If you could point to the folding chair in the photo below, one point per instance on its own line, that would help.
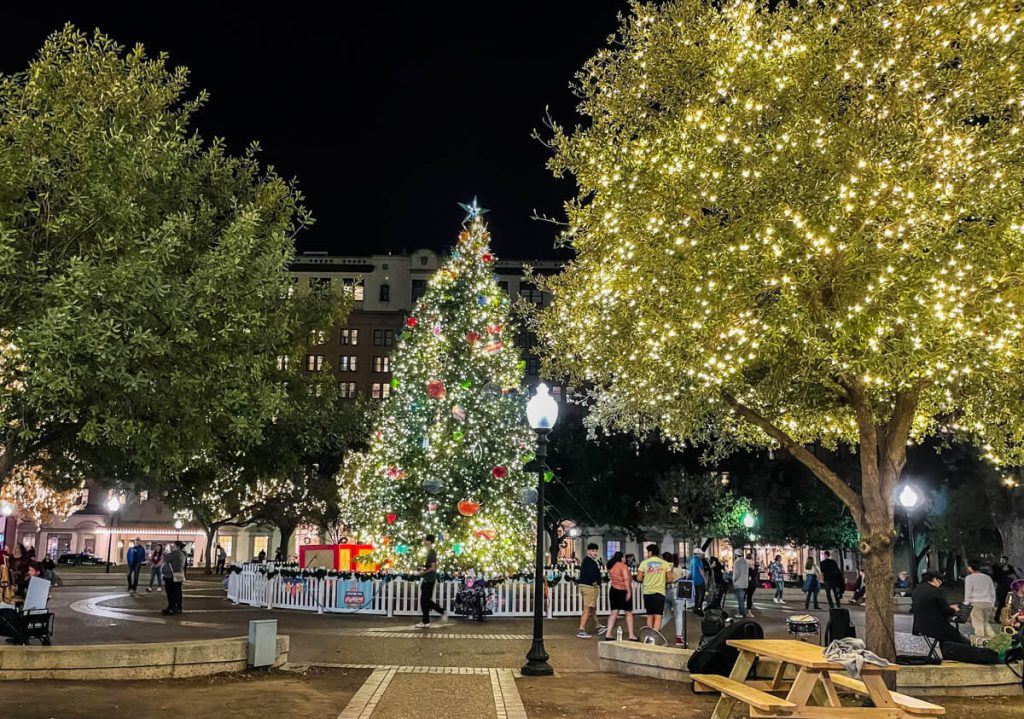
(33, 621)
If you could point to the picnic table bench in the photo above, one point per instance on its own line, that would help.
(812, 694)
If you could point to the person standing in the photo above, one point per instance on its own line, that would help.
(156, 565)
(1003, 574)
(714, 574)
(174, 577)
(777, 575)
(740, 581)
(812, 582)
(428, 578)
(590, 588)
(673, 603)
(833, 579)
(652, 572)
(620, 594)
(222, 558)
(980, 592)
(136, 557)
(699, 577)
(753, 576)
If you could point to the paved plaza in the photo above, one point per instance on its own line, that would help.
(359, 667)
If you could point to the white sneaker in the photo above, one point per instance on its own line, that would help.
(444, 616)
(423, 625)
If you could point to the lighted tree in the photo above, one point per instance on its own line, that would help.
(800, 223)
(32, 499)
(451, 441)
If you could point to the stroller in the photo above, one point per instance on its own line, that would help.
(472, 600)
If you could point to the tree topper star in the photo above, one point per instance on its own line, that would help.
(473, 210)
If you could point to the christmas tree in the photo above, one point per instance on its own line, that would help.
(448, 454)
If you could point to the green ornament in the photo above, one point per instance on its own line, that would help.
(457, 548)
(402, 549)
(466, 383)
(458, 436)
(521, 366)
(548, 475)
(394, 383)
(528, 457)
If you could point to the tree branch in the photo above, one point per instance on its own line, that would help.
(827, 477)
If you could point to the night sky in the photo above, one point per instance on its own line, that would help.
(388, 113)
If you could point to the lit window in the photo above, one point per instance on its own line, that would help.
(314, 363)
(347, 390)
(317, 337)
(380, 390)
(385, 293)
(357, 289)
(349, 337)
(556, 392)
(347, 363)
(381, 363)
(282, 362)
(611, 547)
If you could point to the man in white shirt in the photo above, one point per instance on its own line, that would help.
(980, 592)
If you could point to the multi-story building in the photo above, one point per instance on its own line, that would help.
(386, 287)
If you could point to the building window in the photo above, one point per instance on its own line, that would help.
(385, 293)
(317, 337)
(532, 294)
(314, 363)
(556, 392)
(380, 390)
(381, 363)
(383, 338)
(503, 285)
(356, 286)
(319, 285)
(347, 390)
(419, 288)
(533, 366)
(611, 547)
(282, 362)
(347, 363)
(350, 337)
(527, 339)
(260, 544)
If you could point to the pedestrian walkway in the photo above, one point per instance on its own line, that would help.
(402, 692)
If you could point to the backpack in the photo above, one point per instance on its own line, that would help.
(713, 622)
(839, 626)
(717, 657)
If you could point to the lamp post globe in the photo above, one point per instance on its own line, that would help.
(909, 497)
(542, 413)
(6, 509)
(748, 520)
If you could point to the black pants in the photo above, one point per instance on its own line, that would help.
(834, 594)
(133, 576)
(750, 594)
(699, 592)
(173, 591)
(427, 601)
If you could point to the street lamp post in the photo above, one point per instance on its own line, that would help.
(177, 529)
(542, 412)
(909, 498)
(113, 505)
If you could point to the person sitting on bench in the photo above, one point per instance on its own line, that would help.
(932, 613)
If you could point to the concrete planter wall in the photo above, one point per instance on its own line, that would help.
(160, 660)
(946, 679)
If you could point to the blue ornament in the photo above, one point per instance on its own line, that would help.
(456, 254)
(529, 496)
(481, 300)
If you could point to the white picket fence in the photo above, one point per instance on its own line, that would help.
(400, 597)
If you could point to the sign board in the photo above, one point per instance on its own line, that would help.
(354, 594)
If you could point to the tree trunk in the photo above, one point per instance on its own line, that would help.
(211, 532)
(1011, 530)
(6, 465)
(287, 529)
(878, 607)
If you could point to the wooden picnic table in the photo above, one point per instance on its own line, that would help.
(812, 694)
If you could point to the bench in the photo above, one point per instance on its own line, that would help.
(907, 703)
(762, 701)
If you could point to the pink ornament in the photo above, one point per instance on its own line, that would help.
(435, 389)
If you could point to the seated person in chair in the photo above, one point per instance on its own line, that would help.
(932, 614)
(13, 622)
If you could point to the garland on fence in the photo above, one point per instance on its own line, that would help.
(554, 575)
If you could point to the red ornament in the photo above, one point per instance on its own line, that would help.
(472, 337)
(391, 517)
(396, 473)
(488, 258)
(467, 507)
(410, 322)
(489, 534)
(499, 472)
(435, 389)
(492, 347)
(494, 329)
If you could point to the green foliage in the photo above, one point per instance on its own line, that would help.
(142, 271)
(698, 507)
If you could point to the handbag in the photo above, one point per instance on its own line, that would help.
(178, 577)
